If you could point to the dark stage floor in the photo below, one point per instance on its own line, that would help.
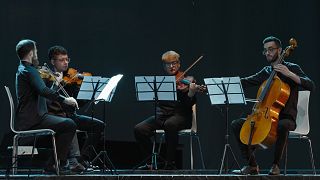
(162, 175)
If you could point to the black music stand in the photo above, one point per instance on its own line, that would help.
(155, 89)
(225, 91)
(96, 89)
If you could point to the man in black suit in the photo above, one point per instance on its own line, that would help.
(59, 58)
(32, 109)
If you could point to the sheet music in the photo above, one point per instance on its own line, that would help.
(233, 87)
(166, 88)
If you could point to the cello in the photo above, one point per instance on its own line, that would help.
(260, 127)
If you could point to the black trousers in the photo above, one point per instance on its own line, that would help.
(284, 126)
(95, 130)
(170, 124)
(65, 129)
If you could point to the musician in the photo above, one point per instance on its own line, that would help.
(32, 111)
(289, 73)
(171, 116)
(60, 60)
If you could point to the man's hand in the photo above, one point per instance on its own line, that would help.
(282, 69)
(59, 78)
(192, 89)
(71, 101)
(286, 72)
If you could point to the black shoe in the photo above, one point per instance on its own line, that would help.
(247, 170)
(145, 167)
(275, 170)
(64, 170)
(77, 168)
(89, 167)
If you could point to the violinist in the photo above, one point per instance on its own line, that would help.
(171, 116)
(31, 112)
(60, 60)
(290, 74)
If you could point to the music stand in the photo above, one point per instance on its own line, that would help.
(225, 91)
(97, 89)
(155, 89)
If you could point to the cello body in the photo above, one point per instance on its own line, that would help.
(265, 115)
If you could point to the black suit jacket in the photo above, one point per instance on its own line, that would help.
(31, 93)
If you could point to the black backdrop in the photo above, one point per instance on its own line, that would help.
(129, 37)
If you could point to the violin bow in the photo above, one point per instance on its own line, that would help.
(194, 63)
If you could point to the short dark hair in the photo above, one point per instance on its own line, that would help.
(56, 50)
(274, 39)
(24, 47)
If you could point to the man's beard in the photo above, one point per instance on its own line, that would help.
(35, 61)
(274, 59)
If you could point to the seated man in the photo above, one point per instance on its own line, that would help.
(59, 59)
(171, 116)
(290, 74)
(31, 112)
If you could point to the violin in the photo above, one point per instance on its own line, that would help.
(183, 81)
(72, 76)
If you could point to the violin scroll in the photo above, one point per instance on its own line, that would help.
(292, 45)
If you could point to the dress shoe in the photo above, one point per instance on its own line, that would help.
(77, 168)
(247, 170)
(275, 170)
(63, 170)
(145, 167)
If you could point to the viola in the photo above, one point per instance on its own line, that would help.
(261, 125)
(72, 76)
(46, 74)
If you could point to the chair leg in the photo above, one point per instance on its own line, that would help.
(286, 158)
(15, 154)
(201, 155)
(32, 154)
(55, 154)
(311, 157)
(160, 143)
(191, 153)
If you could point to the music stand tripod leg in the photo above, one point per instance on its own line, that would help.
(105, 157)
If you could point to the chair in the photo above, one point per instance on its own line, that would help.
(303, 127)
(192, 133)
(28, 133)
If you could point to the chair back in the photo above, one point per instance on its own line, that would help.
(302, 119)
(194, 119)
(12, 109)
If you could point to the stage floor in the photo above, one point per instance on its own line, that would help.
(161, 175)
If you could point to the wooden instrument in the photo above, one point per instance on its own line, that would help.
(261, 126)
(184, 81)
(72, 76)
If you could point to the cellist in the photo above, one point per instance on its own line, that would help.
(288, 73)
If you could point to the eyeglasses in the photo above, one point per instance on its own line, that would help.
(173, 63)
(63, 60)
(269, 50)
